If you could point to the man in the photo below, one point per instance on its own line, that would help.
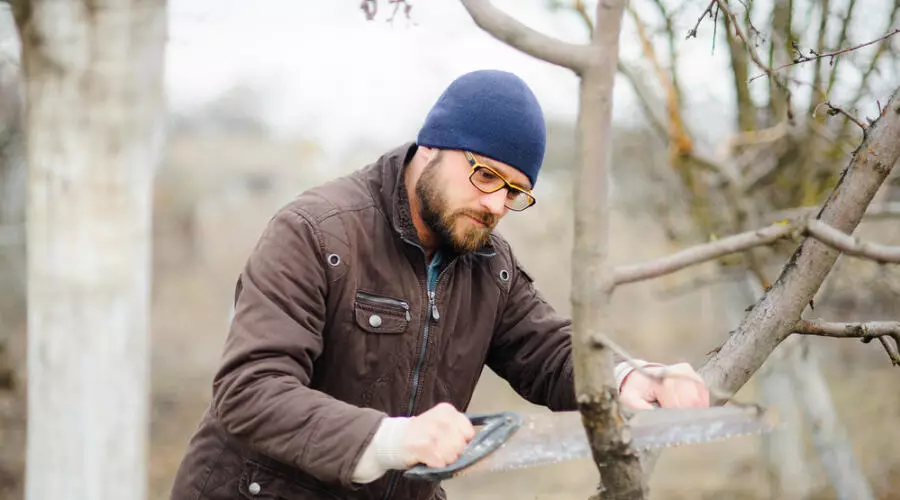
(366, 312)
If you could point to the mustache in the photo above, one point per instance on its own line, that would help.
(486, 218)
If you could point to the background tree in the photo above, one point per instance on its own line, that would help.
(775, 315)
(94, 126)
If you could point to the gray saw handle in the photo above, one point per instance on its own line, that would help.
(497, 428)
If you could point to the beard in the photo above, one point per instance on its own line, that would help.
(452, 227)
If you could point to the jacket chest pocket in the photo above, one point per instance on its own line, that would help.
(376, 314)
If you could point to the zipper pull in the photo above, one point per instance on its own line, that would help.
(434, 310)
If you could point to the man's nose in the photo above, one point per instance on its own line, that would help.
(495, 202)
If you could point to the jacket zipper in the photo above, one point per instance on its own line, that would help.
(433, 314)
(385, 300)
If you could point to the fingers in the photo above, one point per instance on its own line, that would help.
(634, 402)
(437, 437)
(681, 387)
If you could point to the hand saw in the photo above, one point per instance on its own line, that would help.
(509, 440)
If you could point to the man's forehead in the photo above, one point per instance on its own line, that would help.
(513, 174)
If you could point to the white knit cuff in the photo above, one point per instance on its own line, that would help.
(383, 453)
(388, 443)
(625, 368)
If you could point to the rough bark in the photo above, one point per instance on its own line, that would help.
(94, 127)
(771, 319)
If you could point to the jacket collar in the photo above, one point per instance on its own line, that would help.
(395, 200)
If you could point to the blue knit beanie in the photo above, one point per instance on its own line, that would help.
(492, 113)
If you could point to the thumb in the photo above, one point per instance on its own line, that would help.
(634, 402)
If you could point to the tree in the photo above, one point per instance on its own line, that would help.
(94, 123)
(777, 314)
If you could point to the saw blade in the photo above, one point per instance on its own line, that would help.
(547, 438)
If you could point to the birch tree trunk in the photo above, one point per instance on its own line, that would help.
(94, 130)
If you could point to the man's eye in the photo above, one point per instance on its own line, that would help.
(487, 175)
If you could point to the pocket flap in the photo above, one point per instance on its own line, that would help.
(374, 317)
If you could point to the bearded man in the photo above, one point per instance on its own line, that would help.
(370, 305)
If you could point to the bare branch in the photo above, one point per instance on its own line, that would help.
(693, 31)
(506, 29)
(874, 212)
(850, 245)
(835, 110)
(865, 331)
(702, 253)
(753, 55)
(800, 59)
(771, 319)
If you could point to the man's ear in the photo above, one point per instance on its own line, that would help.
(427, 153)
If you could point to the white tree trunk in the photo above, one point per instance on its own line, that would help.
(94, 130)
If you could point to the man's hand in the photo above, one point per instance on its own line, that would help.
(681, 387)
(437, 437)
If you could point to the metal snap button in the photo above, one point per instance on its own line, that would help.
(375, 321)
(254, 489)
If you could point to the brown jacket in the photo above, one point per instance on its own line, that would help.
(334, 329)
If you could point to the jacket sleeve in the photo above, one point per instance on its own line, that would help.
(261, 393)
(532, 347)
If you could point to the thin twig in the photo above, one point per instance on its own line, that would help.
(693, 31)
(800, 59)
(837, 110)
(864, 331)
(753, 55)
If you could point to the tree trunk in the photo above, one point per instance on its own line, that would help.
(94, 128)
(621, 476)
(12, 185)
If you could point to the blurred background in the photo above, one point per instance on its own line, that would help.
(271, 97)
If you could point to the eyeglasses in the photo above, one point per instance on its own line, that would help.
(488, 180)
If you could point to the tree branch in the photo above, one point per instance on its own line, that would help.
(815, 56)
(850, 245)
(865, 331)
(515, 34)
(772, 319)
(702, 253)
(744, 241)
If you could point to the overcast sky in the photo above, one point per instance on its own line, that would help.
(331, 75)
